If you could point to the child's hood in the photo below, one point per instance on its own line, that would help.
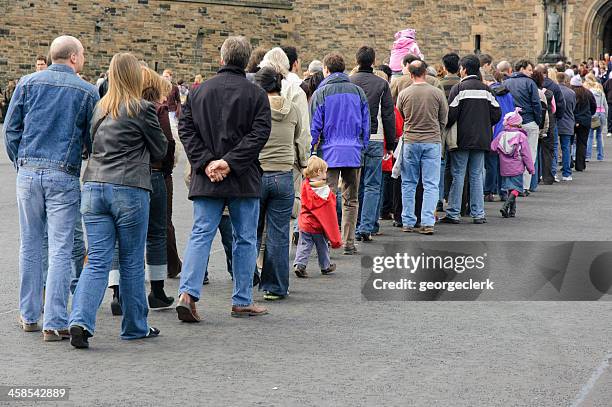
(509, 139)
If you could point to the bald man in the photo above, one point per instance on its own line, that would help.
(45, 130)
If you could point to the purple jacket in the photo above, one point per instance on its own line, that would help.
(514, 154)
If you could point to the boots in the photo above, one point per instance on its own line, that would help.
(505, 210)
(512, 211)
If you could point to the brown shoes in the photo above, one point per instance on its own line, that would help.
(55, 335)
(28, 327)
(248, 311)
(187, 311)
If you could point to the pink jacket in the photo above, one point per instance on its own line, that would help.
(514, 154)
(404, 44)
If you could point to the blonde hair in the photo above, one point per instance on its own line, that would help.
(124, 86)
(197, 79)
(276, 59)
(315, 166)
(154, 87)
(591, 83)
(552, 74)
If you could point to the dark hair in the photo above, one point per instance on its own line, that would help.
(180, 82)
(292, 54)
(522, 64)
(334, 62)
(538, 78)
(418, 69)
(582, 95)
(42, 58)
(365, 57)
(269, 80)
(471, 64)
(312, 83)
(409, 58)
(485, 59)
(451, 62)
(387, 70)
(256, 57)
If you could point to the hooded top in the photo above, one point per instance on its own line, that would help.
(279, 152)
(318, 214)
(514, 154)
(404, 44)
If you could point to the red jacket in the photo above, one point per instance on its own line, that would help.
(319, 215)
(387, 164)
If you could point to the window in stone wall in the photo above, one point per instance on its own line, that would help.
(278, 4)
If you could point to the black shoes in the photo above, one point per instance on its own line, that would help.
(300, 271)
(397, 224)
(448, 219)
(79, 337)
(295, 238)
(329, 270)
(364, 237)
(116, 307)
(480, 221)
(156, 303)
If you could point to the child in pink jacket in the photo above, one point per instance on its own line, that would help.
(404, 44)
(514, 158)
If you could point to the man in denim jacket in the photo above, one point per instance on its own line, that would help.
(46, 128)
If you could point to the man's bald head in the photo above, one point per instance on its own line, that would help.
(504, 67)
(67, 50)
(541, 68)
(417, 69)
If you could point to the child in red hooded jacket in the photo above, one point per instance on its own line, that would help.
(318, 220)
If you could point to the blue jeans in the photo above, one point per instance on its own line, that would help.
(535, 179)
(555, 161)
(420, 160)
(441, 183)
(370, 187)
(275, 206)
(306, 243)
(473, 162)
(596, 134)
(244, 214)
(492, 177)
(114, 212)
(46, 199)
(566, 145)
(225, 230)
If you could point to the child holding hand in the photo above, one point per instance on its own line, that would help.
(318, 220)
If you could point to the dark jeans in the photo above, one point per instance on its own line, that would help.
(547, 158)
(387, 194)
(492, 177)
(174, 261)
(582, 137)
(276, 204)
(397, 200)
(157, 250)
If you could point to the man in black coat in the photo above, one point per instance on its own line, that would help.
(223, 127)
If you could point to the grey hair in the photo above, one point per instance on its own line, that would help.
(63, 47)
(504, 66)
(277, 60)
(236, 51)
(315, 66)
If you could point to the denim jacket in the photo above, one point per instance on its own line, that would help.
(47, 123)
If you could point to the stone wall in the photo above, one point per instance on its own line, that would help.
(186, 36)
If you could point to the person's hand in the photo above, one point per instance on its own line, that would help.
(217, 170)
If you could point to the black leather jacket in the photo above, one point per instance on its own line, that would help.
(124, 148)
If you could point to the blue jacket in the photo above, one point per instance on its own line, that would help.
(506, 104)
(340, 121)
(47, 122)
(525, 94)
(566, 124)
(559, 99)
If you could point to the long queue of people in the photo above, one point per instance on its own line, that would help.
(264, 146)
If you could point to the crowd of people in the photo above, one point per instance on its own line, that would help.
(334, 150)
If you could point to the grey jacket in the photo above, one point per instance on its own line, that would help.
(124, 148)
(566, 124)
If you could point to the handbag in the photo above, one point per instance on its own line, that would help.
(595, 122)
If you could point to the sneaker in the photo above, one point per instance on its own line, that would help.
(159, 303)
(349, 250)
(300, 271)
(397, 224)
(568, 178)
(27, 326)
(409, 229)
(79, 337)
(448, 219)
(268, 296)
(116, 307)
(489, 198)
(248, 311)
(426, 230)
(366, 237)
(609, 134)
(206, 281)
(329, 270)
(55, 335)
(153, 333)
(479, 221)
(557, 178)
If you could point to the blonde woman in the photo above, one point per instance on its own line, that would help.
(115, 201)
(196, 82)
(592, 84)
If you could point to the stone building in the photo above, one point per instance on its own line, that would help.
(185, 35)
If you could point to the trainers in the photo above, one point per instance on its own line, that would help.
(568, 178)
(366, 237)
(248, 311)
(329, 270)
(448, 219)
(55, 335)
(426, 230)
(300, 271)
(79, 337)
(479, 221)
(268, 296)
(609, 134)
(27, 326)
(557, 178)
(349, 250)
(409, 229)
(159, 303)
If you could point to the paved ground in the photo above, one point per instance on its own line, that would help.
(325, 346)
